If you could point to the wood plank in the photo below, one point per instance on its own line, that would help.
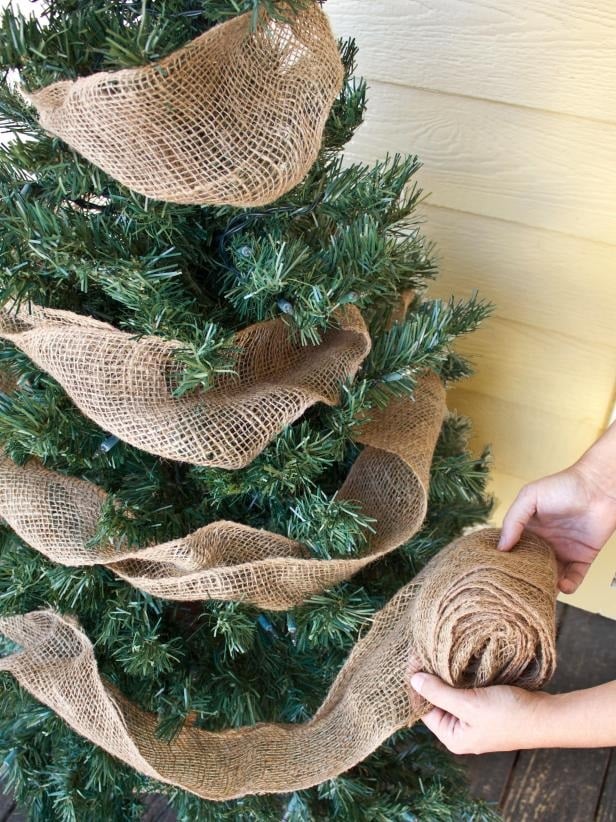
(536, 277)
(586, 651)
(562, 612)
(489, 774)
(557, 56)
(607, 803)
(531, 167)
(555, 786)
(157, 809)
(564, 785)
(7, 806)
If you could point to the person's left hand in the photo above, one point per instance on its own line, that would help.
(479, 720)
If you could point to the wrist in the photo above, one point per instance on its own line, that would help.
(598, 466)
(542, 726)
(559, 729)
(549, 722)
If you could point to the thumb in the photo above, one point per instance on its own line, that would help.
(452, 700)
(517, 517)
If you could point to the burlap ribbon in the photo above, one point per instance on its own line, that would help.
(473, 616)
(57, 515)
(126, 384)
(234, 117)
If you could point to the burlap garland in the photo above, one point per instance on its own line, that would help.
(473, 616)
(57, 515)
(234, 117)
(126, 384)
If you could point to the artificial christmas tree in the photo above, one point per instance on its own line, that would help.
(344, 240)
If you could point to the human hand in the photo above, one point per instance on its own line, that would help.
(573, 511)
(506, 718)
(479, 720)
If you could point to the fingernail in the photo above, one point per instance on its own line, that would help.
(417, 681)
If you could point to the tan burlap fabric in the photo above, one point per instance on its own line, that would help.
(234, 117)
(126, 384)
(57, 515)
(474, 616)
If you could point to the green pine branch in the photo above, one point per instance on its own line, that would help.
(422, 341)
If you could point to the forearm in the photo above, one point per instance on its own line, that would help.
(580, 719)
(599, 462)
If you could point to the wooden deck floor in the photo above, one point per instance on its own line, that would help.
(8, 810)
(559, 785)
(527, 786)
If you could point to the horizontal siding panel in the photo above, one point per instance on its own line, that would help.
(526, 166)
(541, 278)
(557, 55)
(541, 371)
(527, 442)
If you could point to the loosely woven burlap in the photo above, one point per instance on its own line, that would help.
(126, 384)
(474, 616)
(234, 117)
(57, 515)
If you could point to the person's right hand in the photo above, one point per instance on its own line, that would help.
(572, 511)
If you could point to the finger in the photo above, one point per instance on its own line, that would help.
(452, 700)
(433, 719)
(442, 725)
(572, 576)
(517, 517)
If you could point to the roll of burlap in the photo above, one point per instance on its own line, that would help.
(473, 616)
(57, 515)
(234, 117)
(126, 384)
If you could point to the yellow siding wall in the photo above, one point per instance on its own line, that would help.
(512, 109)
